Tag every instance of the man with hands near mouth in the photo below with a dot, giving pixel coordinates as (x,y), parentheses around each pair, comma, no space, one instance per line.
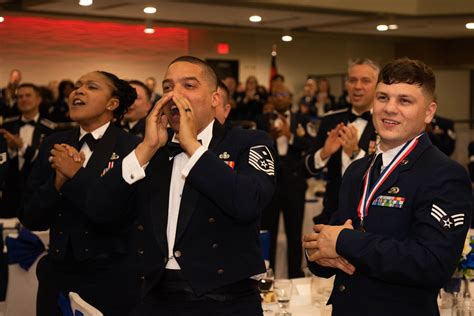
(200,189)
(403,214)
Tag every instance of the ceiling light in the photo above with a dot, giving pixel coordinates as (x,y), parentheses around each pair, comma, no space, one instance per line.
(149,10)
(287,38)
(255,18)
(393,27)
(2,19)
(470,25)
(85,3)
(149,27)
(149,30)
(382,28)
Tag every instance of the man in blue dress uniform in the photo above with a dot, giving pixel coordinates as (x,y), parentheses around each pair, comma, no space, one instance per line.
(403,213)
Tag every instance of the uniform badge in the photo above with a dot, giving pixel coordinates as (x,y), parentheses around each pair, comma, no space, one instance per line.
(394,190)
(300,132)
(448,222)
(389,201)
(3,158)
(261,159)
(109,166)
(230,163)
(224,155)
(114,156)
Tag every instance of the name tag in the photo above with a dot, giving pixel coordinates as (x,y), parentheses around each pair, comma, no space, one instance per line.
(389,201)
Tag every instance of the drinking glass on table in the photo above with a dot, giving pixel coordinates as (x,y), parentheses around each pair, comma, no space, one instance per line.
(265,285)
(283,290)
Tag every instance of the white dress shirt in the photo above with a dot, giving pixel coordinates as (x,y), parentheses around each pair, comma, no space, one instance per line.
(360,124)
(26,134)
(182,165)
(282,142)
(97,134)
(388,155)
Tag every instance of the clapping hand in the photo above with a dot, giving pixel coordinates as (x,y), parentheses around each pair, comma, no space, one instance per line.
(67,161)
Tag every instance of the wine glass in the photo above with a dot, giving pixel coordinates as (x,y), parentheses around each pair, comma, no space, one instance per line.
(283,290)
(265,285)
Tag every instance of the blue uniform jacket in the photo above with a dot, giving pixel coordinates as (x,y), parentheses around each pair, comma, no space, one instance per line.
(407,253)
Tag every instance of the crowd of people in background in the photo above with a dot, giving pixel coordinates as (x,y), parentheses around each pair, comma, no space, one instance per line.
(299,128)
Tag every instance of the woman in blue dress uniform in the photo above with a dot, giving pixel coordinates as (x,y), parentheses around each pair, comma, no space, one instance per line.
(90,253)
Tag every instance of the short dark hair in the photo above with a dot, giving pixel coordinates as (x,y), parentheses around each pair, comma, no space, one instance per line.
(222,85)
(278,76)
(209,72)
(123,91)
(141,84)
(32,86)
(410,71)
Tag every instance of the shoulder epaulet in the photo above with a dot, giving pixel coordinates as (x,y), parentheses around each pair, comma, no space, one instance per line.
(10,119)
(49,124)
(336,112)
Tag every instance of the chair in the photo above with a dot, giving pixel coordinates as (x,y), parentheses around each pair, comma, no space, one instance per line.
(82,308)
(23,286)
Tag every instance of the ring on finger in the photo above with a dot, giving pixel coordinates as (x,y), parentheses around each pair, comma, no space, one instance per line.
(187,110)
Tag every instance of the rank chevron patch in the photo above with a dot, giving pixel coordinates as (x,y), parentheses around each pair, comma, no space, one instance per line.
(261,159)
(446,221)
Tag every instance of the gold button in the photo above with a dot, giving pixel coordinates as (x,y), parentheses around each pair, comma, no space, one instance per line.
(140,252)
(220,271)
(212,220)
(214,246)
(177,254)
(140,227)
(342,288)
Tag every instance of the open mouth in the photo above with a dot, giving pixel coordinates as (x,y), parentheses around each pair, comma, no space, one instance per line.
(173,109)
(78,102)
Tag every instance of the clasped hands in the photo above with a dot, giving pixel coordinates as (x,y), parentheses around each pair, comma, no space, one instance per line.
(320,247)
(67,161)
(156,134)
(345,136)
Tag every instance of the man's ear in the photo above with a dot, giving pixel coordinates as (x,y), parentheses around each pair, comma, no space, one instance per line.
(214,99)
(430,112)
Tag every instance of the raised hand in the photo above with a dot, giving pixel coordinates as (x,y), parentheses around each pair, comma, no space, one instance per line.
(187,133)
(156,134)
(348,137)
(332,143)
(66,161)
(13,141)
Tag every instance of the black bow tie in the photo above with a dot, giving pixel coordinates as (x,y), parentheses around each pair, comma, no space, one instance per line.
(365,116)
(89,140)
(175,149)
(23,123)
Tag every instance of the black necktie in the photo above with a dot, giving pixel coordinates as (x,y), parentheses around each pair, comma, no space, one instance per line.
(23,123)
(89,140)
(175,149)
(365,116)
(376,169)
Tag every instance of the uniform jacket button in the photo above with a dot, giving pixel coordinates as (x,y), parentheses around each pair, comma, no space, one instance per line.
(220,271)
(86,232)
(57,250)
(140,227)
(142,277)
(60,214)
(86,249)
(177,254)
(140,252)
(211,220)
(342,288)
(214,246)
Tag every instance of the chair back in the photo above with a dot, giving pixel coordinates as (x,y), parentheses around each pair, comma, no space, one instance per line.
(82,308)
